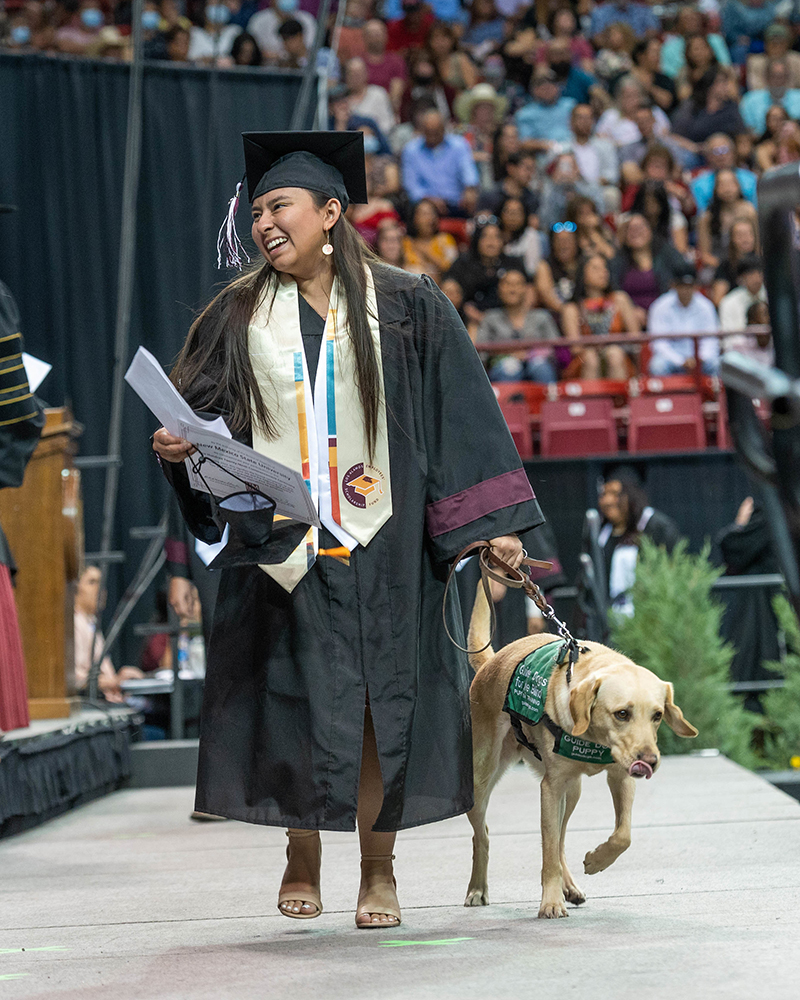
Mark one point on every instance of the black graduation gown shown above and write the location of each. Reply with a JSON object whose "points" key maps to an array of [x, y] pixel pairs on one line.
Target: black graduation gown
{"points": [[288, 674], [21, 414], [749, 623]]}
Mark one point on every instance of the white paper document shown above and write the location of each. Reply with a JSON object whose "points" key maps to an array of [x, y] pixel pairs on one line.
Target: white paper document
{"points": [[230, 467], [35, 370]]}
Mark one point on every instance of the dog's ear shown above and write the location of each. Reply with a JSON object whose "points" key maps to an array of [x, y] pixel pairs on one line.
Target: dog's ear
{"points": [[581, 701], [673, 716]]}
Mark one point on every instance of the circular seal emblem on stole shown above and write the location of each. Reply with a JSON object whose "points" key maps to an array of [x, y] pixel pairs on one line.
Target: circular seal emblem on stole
{"points": [[363, 485]]}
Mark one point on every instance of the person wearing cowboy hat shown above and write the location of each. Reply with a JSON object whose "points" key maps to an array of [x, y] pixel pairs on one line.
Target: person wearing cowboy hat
{"points": [[481, 110]]}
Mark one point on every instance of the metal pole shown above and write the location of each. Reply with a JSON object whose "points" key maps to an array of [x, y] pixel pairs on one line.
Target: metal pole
{"points": [[300, 115], [133, 148]]}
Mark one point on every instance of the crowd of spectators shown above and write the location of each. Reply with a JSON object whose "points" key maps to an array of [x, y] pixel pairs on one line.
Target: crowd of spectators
{"points": [[560, 168]]}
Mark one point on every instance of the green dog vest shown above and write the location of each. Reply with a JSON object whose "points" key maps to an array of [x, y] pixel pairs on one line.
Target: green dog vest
{"points": [[525, 701]]}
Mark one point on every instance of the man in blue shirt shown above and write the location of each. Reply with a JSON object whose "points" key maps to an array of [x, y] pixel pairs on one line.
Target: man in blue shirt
{"points": [[575, 82], [545, 120], [440, 167], [720, 154], [755, 104], [639, 16]]}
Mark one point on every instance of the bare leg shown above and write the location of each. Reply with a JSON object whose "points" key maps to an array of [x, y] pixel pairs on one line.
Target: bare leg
{"points": [[616, 362], [591, 363], [377, 881], [623, 789], [572, 893]]}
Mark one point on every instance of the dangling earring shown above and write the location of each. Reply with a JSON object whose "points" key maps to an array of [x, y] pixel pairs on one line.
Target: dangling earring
{"points": [[328, 247]]}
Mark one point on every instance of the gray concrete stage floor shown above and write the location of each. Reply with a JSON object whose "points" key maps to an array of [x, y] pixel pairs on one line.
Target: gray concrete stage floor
{"points": [[126, 899]]}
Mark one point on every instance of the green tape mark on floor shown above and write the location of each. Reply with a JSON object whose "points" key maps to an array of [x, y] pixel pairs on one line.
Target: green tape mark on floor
{"points": [[430, 944], [15, 975], [17, 951]]}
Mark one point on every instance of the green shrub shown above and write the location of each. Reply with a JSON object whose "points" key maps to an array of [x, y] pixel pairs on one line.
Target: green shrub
{"points": [[674, 632], [782, 706]]}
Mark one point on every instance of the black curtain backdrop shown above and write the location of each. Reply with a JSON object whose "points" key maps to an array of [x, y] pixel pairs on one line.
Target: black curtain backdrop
{"points": [[62, 151]]}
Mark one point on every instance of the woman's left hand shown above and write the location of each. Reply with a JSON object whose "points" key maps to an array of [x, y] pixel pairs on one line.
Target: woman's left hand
{"points": [[509, 549]]}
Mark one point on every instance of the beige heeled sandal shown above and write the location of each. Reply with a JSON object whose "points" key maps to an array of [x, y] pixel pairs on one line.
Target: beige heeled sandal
{"points": [[305, 894], [377, 895]]}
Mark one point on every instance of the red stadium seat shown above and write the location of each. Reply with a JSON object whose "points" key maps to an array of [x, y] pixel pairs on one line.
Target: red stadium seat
{"points": [[592, 387], [533, 393], [519, 423], [666, 423], [670, 384], [578, 427]]}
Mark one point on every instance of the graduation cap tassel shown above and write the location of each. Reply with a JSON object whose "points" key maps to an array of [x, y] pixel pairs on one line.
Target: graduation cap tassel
{"points": [[230, 248]]}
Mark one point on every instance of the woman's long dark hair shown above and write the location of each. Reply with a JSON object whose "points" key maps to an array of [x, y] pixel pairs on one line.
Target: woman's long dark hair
{"points": [[655, 189], [716, 205], [214, 372]]}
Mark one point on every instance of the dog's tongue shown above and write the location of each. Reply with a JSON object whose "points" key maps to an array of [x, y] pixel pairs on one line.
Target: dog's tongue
{"points": [[640, 769]]}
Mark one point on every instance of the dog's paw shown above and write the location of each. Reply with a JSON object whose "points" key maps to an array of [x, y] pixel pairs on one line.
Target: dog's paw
{"points": [[552, 911], [599, 859], [574, 895], [477, 897]]}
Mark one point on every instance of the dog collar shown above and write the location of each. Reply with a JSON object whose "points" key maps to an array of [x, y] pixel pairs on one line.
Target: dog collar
{"points": [[525, 701]]}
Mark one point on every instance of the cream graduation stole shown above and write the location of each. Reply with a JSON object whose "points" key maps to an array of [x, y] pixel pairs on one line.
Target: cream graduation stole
{"points": [[321, 434]]}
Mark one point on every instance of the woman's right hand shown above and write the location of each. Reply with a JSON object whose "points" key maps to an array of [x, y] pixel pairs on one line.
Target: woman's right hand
{"points": [[171, 448]]}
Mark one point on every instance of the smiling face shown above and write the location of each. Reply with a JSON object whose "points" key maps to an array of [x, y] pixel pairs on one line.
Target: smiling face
{"points": [[513, 216], [290, 231], [511, 289], [490, 242], [743, 237], [727, 187], [595, 275], [639, 235], [613, 503]]}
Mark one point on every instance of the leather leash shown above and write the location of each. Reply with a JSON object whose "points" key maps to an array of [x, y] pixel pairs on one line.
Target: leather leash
{"points": [[490, 562]]}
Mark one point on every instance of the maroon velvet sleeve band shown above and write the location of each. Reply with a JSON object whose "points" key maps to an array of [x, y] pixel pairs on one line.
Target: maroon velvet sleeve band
{"points": [[177, 552], [493, 494]]}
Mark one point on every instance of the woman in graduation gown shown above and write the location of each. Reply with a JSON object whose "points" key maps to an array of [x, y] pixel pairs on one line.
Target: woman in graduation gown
{"points": [[333, 696]]}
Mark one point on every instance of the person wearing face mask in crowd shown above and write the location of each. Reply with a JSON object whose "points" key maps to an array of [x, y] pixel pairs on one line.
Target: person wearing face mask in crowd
{"points": [[264, 26], [19, 36], [77, 36], [425, 85], [214, 40]]}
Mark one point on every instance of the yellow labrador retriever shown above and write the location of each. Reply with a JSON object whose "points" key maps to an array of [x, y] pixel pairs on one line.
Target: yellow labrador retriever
{"points": [[610, 702]]}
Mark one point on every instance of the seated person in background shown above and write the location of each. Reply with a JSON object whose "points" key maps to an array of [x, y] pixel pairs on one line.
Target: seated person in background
{"points": [[766, 149], [618, 123], [594, 236], [777, 45], [756, 103], [264, 26], [689, 22], [700, 58], [745, 21], [556, 276], [293, 54], [440, 167], [743, 242], [425, 84], [788, 146], [342, 119], [667, 222], [89, 640], [80, 32], [366, 99], [645, 266], [520, 239], [627, 516], [520, 171], [597, 311], [734, 306], [517, 318], [574, 81], [562, 183], [713, 107], [453, 64], [719, 153], [426, 249], [384, 69], [614, 58], [659, 87], [245, 51], [596, 156], [481, 110], [545, 119], [714, 226], [480, 268], [389, 246], [683, 309], [658, 166], [757, 346], [485, 30]]}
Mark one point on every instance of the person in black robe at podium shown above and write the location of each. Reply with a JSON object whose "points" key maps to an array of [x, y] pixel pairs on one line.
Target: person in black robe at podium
{"points": [[333, 696], [749, 623], [21, 423]]}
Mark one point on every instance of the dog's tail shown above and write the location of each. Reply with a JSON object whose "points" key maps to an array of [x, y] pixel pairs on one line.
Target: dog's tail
{"points": [[480, 625]]}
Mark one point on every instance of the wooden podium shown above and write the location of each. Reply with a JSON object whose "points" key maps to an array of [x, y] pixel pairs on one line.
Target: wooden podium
{"points": [[43, 520]]}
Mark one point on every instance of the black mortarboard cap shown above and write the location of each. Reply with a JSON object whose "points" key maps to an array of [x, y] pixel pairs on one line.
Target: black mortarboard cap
{"points": [[331, 163]]}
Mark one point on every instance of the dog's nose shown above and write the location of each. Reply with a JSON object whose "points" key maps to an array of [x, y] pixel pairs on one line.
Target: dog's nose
{"points": [[649, 758]]}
